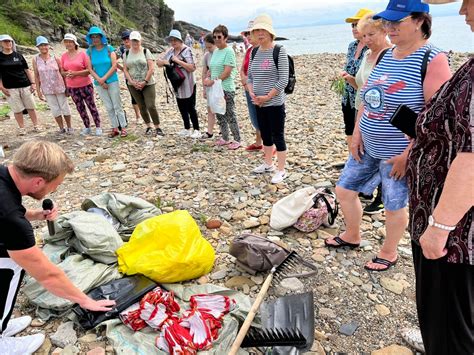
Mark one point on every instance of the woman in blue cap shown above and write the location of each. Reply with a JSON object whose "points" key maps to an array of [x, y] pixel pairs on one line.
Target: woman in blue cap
{"points": [[379, 151], [51, 86], [103, 67]]}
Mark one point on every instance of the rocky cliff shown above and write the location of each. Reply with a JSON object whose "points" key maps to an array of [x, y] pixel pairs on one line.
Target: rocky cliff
{"points": [[26, 19]]}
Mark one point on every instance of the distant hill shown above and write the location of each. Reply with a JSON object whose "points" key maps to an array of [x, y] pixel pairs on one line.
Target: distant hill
{"points": [[26, 19]]}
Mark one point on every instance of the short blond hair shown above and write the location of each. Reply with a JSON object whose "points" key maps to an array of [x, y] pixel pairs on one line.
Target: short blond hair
{"points": [[42, 158], [368, 21]]}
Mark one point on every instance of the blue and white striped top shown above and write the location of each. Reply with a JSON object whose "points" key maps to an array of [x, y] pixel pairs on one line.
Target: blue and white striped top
{"points": [[391, 83]]}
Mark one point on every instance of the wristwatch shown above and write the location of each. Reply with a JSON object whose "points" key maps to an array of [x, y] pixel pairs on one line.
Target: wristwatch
{"points": [[433, 223]]}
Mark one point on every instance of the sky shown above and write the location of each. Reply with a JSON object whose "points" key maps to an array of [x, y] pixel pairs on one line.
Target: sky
{"points": [[285, 13]]}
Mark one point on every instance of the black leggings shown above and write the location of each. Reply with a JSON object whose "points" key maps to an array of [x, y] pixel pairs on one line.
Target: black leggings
{"points": [[445, 304], [271, 121], [349, 114], [187, 108]]}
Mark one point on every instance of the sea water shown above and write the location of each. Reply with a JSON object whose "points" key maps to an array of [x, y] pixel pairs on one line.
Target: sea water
{"points": [[449, 33]]}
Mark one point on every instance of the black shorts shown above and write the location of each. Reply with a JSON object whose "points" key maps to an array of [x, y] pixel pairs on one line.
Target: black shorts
{"points": [[349, 114]]}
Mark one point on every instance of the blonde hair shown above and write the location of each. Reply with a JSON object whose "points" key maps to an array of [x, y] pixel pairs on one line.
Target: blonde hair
{"points": [[368, 21], [41, 158]]}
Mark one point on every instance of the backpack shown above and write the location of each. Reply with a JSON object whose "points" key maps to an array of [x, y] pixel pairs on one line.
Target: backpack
{"points": [[424, 63], [290, 87]]}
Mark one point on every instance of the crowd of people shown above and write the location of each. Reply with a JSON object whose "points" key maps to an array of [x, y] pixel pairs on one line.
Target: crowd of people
{"points": [[391, 63]]}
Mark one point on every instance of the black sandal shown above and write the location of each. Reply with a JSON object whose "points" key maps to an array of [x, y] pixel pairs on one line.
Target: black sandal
{"points": [[207, 135], [381, 261], [341, 243]]}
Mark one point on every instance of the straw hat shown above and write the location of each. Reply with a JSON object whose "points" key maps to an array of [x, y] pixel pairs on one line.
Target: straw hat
{"points": [[361, 13], [263, 22]]}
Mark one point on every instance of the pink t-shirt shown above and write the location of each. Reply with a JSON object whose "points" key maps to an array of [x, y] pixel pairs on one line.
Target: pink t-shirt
{"points": [[79, 62]]}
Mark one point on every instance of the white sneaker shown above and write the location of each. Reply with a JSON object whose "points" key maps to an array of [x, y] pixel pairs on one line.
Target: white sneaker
{"points": [[85, 131], [264, 168], [279, 176], [196, 134], [26, 345], [16, 325], [98, 131], [184, 133], [69, 130]]}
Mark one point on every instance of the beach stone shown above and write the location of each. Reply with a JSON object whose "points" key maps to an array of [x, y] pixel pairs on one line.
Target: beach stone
{"points": [[70, 350], [251, 223], [349, 328], [391, 285], [324, 235], [37, 322], [203, 280], [317, 349], [219, 275], [57, 351], [327, 313], [45, 347], [101, 158], [161, 178], [355, 280], [238, 281], [107, 183], [88, 338], [119, 167], [254, 192], [239, 215], [320, 336], [318, 258], [257, 279], [393, 350], [65, 335], [292, 284], [96, 351], [382, 310], [87, 164], [144, 181], [227, 215], [213, 224]]}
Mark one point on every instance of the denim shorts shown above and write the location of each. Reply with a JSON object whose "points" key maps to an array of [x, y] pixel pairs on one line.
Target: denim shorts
{"points": [[252, 111], [366, 175]]}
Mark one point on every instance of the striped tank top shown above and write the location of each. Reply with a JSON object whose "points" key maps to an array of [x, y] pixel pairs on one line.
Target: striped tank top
{"points": [[391, 83]]}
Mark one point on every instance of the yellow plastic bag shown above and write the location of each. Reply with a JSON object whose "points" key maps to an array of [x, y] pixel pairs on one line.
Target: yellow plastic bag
{"points": [[167, 248]]}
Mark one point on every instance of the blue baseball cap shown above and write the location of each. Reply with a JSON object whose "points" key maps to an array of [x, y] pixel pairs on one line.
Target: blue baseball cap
{"points": [[399, 9], [126, 34], [41, 40]]}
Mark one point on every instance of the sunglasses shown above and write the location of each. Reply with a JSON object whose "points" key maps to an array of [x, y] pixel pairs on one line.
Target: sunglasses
{"points": [[246, 34], [389, 24], [218, 37], [354, 24]]}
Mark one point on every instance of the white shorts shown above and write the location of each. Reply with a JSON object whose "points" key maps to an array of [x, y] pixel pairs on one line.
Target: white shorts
{"points": [[58, 105], [20, 99]]}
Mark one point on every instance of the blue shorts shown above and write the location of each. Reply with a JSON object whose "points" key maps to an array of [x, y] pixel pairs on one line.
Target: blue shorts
{"points": [[366, 175]]}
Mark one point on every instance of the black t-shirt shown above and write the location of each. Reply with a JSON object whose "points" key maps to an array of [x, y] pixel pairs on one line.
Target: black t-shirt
{"points": [[16, 232], [12, 71]]}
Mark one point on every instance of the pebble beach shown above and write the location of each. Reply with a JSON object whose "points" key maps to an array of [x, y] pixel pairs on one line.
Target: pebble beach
{"points": [[355, 311]]}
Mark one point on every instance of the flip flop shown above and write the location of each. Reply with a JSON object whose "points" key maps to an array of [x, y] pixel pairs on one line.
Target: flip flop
{"points": [[381, 261], [341, 243]]}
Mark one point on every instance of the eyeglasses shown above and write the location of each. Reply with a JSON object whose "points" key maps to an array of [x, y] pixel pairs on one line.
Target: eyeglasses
{"points": [[354, 24], [218, 37], [389, 24]]}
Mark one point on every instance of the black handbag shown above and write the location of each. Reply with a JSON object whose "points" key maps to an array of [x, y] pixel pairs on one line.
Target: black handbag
{"points": [[174, 74]]}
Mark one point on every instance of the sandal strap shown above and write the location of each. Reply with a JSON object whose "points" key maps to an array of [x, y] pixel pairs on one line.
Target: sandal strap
{"points": [[381, 261]]}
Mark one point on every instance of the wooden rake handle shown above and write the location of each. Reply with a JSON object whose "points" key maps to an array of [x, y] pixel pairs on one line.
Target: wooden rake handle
{"points": [[251, 315]]}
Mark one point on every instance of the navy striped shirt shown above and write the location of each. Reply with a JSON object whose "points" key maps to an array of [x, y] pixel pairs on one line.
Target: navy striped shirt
{"points": [[391, 83], [264, 75]]}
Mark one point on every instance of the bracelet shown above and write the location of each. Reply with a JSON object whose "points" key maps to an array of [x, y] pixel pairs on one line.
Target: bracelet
{"points": [[433, 223]]}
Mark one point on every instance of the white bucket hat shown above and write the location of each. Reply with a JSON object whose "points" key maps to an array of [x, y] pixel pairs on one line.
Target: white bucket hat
{"points": [[249, 27], [71, 37], [174, 34], [263, 22]]}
